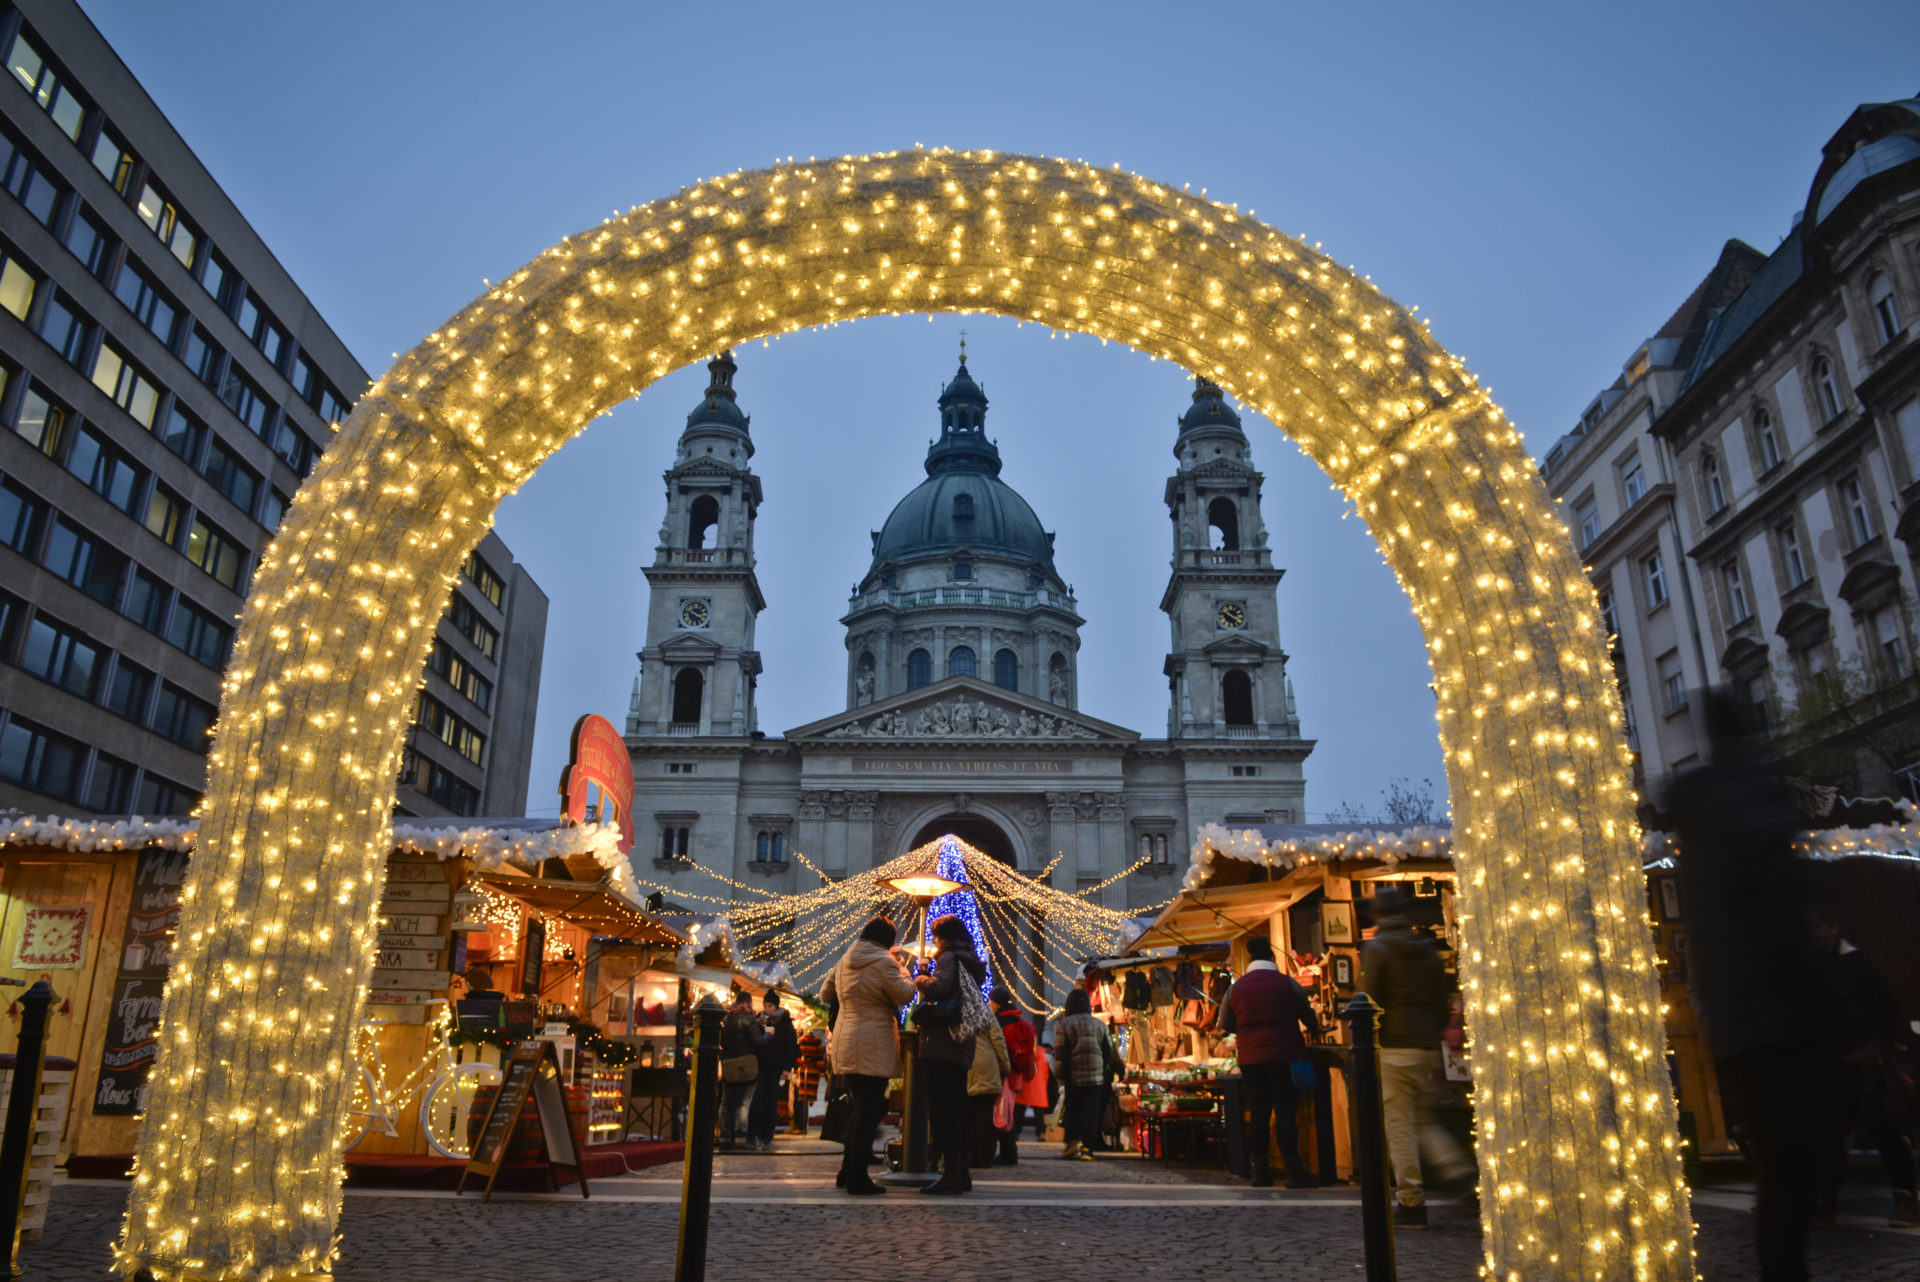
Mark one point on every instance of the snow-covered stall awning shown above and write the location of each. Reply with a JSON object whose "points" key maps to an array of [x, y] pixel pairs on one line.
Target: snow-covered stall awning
{"points": [[490, 843]]}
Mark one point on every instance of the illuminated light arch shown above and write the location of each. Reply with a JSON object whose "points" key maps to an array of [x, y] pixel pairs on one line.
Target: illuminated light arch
{"points": [[239, 1172]]}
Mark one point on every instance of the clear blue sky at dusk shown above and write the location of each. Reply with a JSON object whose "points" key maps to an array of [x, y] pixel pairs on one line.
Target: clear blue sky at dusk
{"points": [[1546, 182]]}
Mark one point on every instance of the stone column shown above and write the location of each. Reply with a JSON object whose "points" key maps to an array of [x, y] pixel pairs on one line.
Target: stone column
{"points": [[1086, 808], [1114, 854], [1062, 830], [810, 833], [835, 850], [860, 807]]}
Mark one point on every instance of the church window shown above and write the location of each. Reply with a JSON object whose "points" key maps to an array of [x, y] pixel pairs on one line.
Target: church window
{"points": [[1160, 848], [919, 669], [704, 516], [962, 570], [1224, 518], [688, 686], [680, 767], [1006, 670], [673, 844], [1236, 698], [770, 848], [963, 507], [960, 662], [1245, 772]]}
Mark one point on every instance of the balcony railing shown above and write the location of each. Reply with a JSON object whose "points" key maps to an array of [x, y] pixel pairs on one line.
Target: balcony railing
{"points": [[702, 556], [933, 598], [1242, 732], [683, 728]]}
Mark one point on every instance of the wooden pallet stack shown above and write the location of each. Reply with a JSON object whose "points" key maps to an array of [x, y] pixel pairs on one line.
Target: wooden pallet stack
{"points": [[56, 1083]]}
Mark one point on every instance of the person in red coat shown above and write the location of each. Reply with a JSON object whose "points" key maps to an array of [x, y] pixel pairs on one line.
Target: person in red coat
{"points": [[1020, 1053], [1265, 1011]]}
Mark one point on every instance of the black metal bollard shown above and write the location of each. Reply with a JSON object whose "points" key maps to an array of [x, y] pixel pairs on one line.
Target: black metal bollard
{"points": [[696, 1179], [23, 1105], [1370, 1143]]}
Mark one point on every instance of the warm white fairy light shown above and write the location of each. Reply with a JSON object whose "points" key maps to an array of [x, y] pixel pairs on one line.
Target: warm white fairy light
{"points": [[239, 1166]]}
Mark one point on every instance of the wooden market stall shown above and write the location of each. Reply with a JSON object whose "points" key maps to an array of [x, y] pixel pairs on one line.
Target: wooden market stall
{"points": [[90, 905], [1307, 886]]}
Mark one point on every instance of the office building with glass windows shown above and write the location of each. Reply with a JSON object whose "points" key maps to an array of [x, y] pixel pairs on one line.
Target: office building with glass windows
{"points": [[165, 387]]}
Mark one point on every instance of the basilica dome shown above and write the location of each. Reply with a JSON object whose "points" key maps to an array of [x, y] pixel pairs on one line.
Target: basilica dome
{"points": [[975, 510], [963, 502]]}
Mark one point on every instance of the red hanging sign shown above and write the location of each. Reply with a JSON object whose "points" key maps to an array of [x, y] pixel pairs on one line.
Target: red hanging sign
{"points": [[597, 785]]}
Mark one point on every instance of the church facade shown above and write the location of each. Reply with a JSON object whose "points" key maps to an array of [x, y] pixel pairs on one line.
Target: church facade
{"points": [[961, 711]]}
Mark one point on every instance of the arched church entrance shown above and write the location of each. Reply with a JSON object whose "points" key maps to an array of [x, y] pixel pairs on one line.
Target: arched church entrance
{"points": [[978, 831], [1015, 931], [1577, 1128]]}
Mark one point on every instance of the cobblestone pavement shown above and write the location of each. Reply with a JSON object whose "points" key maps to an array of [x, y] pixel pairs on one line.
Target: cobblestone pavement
{"points": [[778, 1215]]}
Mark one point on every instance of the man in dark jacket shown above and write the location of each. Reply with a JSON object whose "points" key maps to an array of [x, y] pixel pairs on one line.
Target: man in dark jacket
{"points": [[777, 1058], [741, 1038], [1265, 1011], [1401, 970], [1868, 1095], [1751, 973]]}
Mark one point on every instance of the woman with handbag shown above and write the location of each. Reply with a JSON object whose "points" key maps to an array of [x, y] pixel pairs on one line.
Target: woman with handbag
{"points": [[740, 1038], [949, 1025], [1085, 1060], [869, 985]]}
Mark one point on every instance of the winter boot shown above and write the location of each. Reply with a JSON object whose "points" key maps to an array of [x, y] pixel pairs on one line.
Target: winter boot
{"points": [[1906, 1210], [1262, 1174]]}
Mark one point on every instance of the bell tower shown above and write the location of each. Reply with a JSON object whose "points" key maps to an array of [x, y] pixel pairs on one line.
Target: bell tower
{"points": [[1226, 672], [698, 668]]}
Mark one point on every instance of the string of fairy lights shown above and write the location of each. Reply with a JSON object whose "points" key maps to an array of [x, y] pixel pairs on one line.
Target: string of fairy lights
{"points": [[1021, 925]]}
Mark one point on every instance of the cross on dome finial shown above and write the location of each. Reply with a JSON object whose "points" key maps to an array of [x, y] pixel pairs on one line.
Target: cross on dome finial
{"points": [[963, 347]]}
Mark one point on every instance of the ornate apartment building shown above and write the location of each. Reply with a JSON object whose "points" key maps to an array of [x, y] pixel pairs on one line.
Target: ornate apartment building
{"points": [[1786, 431]]}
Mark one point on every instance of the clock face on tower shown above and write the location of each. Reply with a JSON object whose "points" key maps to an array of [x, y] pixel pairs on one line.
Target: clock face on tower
{"points": [[1230, 614], [695, 614]]}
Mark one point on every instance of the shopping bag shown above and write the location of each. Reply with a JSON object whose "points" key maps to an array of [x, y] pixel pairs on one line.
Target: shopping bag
{"points": [[1003, 1108]]}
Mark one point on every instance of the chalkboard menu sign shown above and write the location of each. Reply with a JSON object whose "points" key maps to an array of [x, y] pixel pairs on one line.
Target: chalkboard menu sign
{"points": [[531, 1074], [533, 955], [133, 1019]]}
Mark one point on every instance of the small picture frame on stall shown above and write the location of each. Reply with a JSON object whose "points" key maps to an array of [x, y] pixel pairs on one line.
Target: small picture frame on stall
{"points": [[1669, 899], [1336, 922], [1426, 888], [617, 1008], [1342, 971]]}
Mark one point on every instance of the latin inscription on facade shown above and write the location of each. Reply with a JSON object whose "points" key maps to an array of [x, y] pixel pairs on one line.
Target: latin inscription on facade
{"points": [[961, 766]]}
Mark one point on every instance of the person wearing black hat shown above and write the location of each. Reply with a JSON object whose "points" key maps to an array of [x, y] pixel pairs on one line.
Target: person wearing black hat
{"points": [[1401, 970], [1265, 1011]]}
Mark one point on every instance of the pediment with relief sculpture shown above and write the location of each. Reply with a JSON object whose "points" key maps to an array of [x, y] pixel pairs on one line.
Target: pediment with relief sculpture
{"points": [[963, 709]]}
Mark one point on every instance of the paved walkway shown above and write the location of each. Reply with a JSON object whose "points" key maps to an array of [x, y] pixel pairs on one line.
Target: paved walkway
{"points": [[778, 1216]]}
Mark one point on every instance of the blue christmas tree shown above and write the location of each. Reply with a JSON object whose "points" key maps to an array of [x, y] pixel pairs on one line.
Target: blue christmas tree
{"points": [[961, 903]]}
